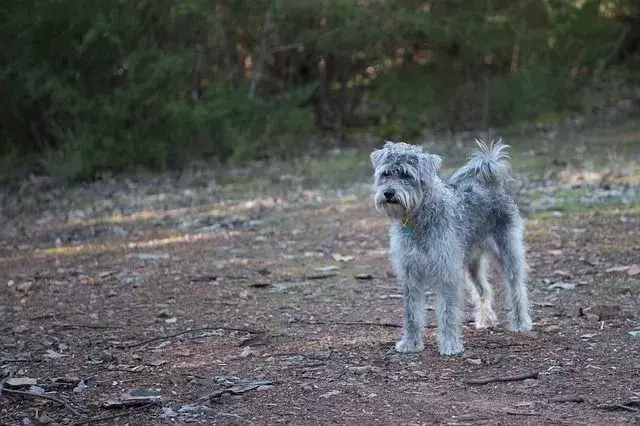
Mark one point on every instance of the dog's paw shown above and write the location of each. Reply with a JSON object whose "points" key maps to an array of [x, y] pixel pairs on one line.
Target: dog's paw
{"points": [[522, 325], [409, 346], [485, 318], [450, 347]]}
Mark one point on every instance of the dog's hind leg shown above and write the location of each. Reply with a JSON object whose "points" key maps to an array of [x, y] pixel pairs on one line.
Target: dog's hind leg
{"points": [[482, 297], [511, 255]]}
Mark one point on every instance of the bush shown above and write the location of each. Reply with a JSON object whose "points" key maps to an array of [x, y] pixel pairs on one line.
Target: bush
{"points": [[94, 87]]}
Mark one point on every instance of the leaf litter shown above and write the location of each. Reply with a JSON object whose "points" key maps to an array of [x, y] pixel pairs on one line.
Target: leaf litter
{"points": [[238, 242]]}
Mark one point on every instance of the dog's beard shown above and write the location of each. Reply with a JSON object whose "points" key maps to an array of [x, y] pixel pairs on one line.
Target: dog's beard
{"points": [[404, 203]]}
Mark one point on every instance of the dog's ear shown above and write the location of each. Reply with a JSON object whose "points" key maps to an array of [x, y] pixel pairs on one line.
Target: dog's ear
{"points": [[429, 164], [379, 156]]}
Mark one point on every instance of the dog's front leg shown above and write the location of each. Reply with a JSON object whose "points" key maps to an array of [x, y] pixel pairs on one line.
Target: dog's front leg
{"points": [[449, 300], [414, 315]]}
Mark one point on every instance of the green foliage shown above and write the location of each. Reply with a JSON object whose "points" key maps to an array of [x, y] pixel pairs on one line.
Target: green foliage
{"points": [[106, 86]]}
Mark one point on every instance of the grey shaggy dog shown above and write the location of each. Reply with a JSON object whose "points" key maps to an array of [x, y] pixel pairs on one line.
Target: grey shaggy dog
{"points": [[443, 234]]}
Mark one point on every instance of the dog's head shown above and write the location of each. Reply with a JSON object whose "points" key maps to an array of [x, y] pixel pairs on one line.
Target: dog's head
{"points": [[402, 173]]}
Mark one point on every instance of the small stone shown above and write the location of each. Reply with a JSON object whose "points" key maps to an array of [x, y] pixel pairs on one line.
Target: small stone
{"points": [[20, 328], [562, 286], [44, 419], [530, 383], [551, 329], [474, 361], [164, 314], [17, 382], [307, 388]]}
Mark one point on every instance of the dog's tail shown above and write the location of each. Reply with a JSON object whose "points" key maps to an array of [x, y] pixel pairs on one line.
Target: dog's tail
{"points": [[488, 164]]}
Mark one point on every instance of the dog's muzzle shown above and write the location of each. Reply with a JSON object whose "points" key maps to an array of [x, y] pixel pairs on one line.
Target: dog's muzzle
{"points": [[390, 196]]}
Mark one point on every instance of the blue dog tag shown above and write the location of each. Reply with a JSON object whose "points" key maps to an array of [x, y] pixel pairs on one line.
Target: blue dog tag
{"points": [[406, 229]]}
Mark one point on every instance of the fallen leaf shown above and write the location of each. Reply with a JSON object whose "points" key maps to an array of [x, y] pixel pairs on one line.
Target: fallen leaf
{"points": [[330, 394], [588, 336], [633, 271], [340, 258], [80, 386], [25, 287], [562, 286], [247, 352], [16, 382], [51, 354], [328, 268], [242, 388], [167, 412], [474, 361], [617, 269], [36, 390]]}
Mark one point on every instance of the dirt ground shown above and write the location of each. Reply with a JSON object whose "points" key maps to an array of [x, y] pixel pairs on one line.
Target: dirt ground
{"points": [[285, 311]]}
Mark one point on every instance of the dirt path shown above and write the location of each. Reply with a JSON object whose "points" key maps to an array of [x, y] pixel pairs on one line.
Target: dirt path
{"points": [[298, 298]]}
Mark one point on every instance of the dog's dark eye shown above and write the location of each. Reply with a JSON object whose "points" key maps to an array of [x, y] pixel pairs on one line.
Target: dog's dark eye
{"points": [[385, 174]]}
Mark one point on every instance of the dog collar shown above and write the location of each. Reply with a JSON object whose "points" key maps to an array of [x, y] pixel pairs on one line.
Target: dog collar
{"points": [[406, 228]]}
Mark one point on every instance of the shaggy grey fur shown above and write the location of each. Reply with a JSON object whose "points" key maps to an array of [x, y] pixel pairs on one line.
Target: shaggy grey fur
{"points": [[443, 234]]}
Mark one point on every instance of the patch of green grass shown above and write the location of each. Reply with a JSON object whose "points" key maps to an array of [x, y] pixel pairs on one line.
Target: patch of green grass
{"points": [[574, 207]]}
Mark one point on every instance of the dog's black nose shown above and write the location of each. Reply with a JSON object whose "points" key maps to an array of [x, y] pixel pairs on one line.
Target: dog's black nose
{"points": [[389, 194]]}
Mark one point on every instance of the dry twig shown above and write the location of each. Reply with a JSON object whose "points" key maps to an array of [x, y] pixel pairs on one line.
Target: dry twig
{"points": [[115, 416], [354, 323], [95, 326], [488, 380], [43, 396], [613, 407], [568, 399], [181, 333]]}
